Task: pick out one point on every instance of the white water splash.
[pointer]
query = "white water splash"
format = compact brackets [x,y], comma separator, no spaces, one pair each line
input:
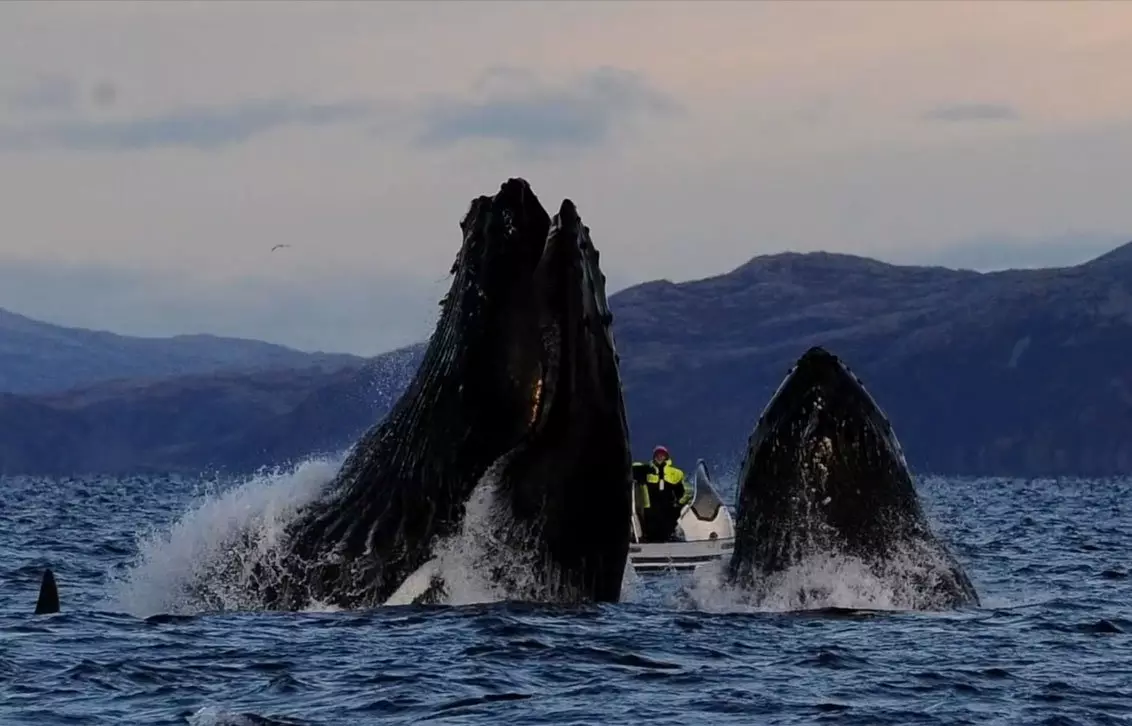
[468,559]
[478,565]
[830,580]
[219,716]
[203,562]
[631,583]
[462,557]
[179,569]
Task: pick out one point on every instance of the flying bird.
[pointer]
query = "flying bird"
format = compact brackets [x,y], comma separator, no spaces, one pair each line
[278,246]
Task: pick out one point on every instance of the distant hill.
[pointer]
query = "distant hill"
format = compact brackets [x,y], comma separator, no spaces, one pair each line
[1015,372]
[37,357]
[234,421]
[1021,373]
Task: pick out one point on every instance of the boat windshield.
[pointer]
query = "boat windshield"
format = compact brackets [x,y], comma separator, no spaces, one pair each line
[705,502]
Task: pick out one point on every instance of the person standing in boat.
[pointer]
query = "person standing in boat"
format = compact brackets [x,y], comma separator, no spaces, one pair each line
[662,491]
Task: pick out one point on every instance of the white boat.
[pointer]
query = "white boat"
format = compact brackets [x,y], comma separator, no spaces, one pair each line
[705,532]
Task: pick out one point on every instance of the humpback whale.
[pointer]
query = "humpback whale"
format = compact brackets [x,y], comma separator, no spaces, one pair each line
[519,331]
[825,474]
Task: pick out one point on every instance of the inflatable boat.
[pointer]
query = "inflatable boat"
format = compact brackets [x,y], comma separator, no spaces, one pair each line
[705,532]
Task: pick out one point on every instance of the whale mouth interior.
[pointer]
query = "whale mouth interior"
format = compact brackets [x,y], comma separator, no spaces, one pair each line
[547,384]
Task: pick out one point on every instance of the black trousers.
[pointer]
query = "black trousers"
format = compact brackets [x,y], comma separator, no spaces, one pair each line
[658,521]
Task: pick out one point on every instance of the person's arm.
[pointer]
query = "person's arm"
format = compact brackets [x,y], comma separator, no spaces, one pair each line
[686,498]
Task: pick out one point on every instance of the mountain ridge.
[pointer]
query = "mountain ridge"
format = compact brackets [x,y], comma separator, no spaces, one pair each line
[37,356]
[1012,372]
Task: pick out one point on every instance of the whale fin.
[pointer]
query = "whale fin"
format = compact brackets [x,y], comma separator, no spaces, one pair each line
[48,601]
[424,587]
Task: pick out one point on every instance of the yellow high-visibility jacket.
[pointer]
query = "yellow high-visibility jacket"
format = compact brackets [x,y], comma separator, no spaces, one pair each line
[672,477]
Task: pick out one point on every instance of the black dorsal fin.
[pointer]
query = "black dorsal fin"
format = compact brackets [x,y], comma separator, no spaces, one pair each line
[48,595]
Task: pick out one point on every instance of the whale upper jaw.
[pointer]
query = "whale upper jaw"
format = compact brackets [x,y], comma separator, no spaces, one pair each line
[824,473]
[821,386]
[823,449]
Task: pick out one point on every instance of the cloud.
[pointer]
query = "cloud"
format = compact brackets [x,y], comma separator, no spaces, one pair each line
[973,112]
[44,93]
[736,173]
[513,106]
[1003,252]
[531,115]
[201,128]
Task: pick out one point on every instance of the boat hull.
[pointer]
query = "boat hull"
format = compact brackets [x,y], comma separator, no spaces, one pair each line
[660,557]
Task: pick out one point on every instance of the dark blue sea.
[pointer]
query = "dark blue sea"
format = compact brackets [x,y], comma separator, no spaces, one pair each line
[1051,643]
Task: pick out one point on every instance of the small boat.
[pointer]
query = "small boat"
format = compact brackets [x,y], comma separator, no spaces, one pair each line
[705,532]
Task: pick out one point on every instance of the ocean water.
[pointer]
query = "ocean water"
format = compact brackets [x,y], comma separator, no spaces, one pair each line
[1051,643]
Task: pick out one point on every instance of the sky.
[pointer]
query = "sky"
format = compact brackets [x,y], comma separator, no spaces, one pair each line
[152,154]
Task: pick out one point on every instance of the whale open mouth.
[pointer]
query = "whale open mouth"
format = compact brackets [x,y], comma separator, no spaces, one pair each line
[557,517]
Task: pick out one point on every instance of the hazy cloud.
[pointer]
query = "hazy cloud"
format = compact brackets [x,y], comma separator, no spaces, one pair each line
[104,94]
[201,128]
[44,93]
[55,94]
[363,314]
[1002,253]
[581,113]
[973,112]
